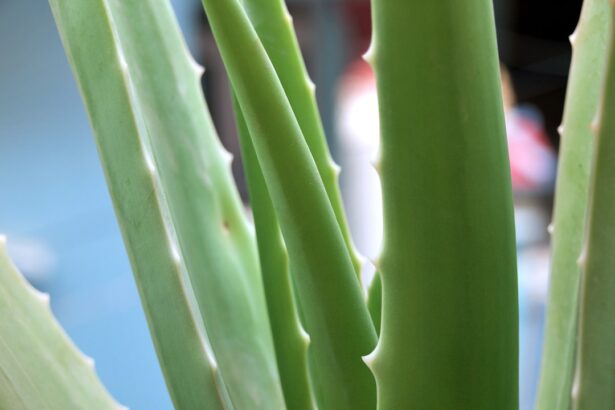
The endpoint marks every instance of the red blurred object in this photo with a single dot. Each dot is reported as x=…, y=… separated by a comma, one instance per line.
x=532, y=159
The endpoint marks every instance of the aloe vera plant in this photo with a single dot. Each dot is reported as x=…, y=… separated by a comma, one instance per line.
x=272, y=314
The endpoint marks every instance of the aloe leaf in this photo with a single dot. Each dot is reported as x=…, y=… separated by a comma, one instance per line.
x=374, y=301
x=336, y=317
x=290, y=340
x=449, y=336
x=215, y=241
x=595, y=370
x=589, y=53
x=273, y=24
x=40, y=368
x=189, y=369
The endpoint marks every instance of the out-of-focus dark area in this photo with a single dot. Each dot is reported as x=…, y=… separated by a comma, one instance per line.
x=57, y=214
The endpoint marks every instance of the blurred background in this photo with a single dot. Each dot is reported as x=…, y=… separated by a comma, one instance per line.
x=56, y=211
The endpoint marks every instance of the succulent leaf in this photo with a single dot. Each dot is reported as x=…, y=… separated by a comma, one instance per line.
x=569, y=214
x=161, y=155
x=289, y=338
x=273, y=25
x=449, y=337
x=595, y=369
x=331, y=300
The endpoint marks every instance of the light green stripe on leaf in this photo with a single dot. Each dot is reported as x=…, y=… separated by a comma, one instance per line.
x=374, y=301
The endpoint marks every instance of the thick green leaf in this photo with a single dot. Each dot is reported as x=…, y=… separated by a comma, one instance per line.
x=449, y=336
x=274, y=27
x=589, y=51
x=374, y=301
x=290, y=340
x=215, y=240
x=336, y=317
x=94, y=52
x=184, y=156
x=40, y=368
x=595, y=372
